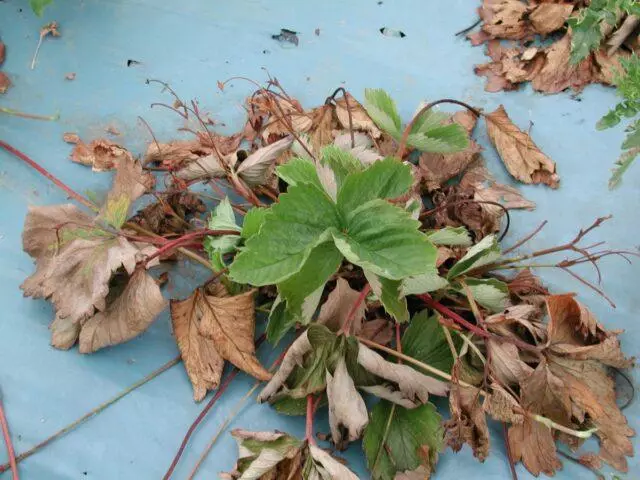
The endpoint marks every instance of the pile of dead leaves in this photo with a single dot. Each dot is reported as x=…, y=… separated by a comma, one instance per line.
x=550, y=65
x=378, y=251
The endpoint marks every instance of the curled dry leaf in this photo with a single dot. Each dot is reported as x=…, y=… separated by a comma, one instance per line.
x=202, y=167
x=258, y=167
x=126, y=317
x=201, y=360
x=523, y=159
x=532, y=443
x=100, y=154
x=175, y=154
x=413, y=384
x=5, y=82
x=323, y=123
x=294, y=356
x=348, y=414
x=468, y=423
x=575, y=333
x=359, y=117
x=516, y=320
x=337, y=307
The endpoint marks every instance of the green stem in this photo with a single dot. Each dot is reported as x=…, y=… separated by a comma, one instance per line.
x=32, y=116
x=93, y=412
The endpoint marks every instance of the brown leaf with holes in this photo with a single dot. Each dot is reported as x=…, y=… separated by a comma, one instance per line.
x=506, y=19
x=468, y=423
x=548, y=17
x=532, y=444
x=229, y=321
x=126, y=316
x=336, y=308
x=5, y=82
x=437, y=168
x=593, y=396
x=100, y=154
x=359, y=117
x=523, y=159
x=575, y=332
x=202, y=361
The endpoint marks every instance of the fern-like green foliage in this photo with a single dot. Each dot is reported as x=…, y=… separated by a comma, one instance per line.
x=587, y=35
x=428, y=133
x=323, y=219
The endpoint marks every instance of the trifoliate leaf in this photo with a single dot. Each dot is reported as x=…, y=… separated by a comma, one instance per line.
x=385, y=240
x=323, y=261
x=428, y=120
x=399, y=440
x=342, y=163
x=423, y=283
x=388, y=178
x=425, y=341
x=390, y=293
x=484, y=252
x=299, y=171
x=450, y=236
x=491, y=293
x=442, y=139
x=253, y=221
x=217, y=247
x=382, y=110
x=301, y=220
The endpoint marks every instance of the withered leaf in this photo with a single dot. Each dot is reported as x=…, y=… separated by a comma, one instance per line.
x=501, y=406
x=170, y=214
x=544, y=393
x=207, y=166
x=100, y=154
x=548, y=17
x=592, y=393
x=517, y=319
x=229, y=321
x=505, y=19
x=175, y=154
x=323, y=124
x=574, y=332
x=523, y=159
x=258, y=167
x=348, y=414
x=201, y=360
x=378, y=330
x=359, y=118
x=506, y=364
x=70, y=137
x=336, y=308
x=126, y=317
x=532, y=443
x=468, y=423
x=5, y=82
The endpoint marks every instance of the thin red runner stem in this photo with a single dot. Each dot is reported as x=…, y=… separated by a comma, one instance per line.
x=346, y=326
x=309, y=423
x=185, y=239
x=4, y=425
x=69, y=191
x=431, y=303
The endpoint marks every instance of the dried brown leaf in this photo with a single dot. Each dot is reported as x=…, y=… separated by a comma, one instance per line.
x=126, y=317
x=3, y=52
x=170, y=214
x=258, y=167
x=336, y=308
x=225, y=145
x=100, y=154
x=501, y=406
x=548, y=17
x=201, y=360
x=506, y=364
x=175, y=154
x=359, y=118
x=516, y=320
x=593, y=394
x=379, y=330
x=71, y=137
x=505, y=19
x=323, y=123
x=545, y=394
x=523, y=159
x=230, y=322
x=532, y=443
x=348, y=414
x=468, y=423
x=5, y=82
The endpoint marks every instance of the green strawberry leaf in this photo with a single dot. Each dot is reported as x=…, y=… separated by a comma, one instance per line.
x=450, y=236
x=299, y=171
x=253, y=221
x=442, y=139
x=491, y=293
x=484, y=252
x=383, y=111
x=390, y=293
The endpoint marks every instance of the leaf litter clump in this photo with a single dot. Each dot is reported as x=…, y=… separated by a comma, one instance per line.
x=374, y=246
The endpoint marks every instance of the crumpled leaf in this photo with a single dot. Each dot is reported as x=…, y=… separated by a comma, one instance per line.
x=523, y=159
x=548, y=17
x=126, y=317
x=505, y=19
x=348, y=414
x=468, y=423
x=100, y=154
x=327, y=467
x=207, y=166
x=532, y=443
x=592, y=393
x=575, y=332
x=338, y=305
x=515, y=320
x=359, y=117
x=176, y=154
x=201, y=359
x=259, y=166
x=413, y=384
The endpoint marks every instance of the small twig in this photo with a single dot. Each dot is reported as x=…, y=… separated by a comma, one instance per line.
x=469, y=28
x=590, y=285
x=146, y=124
x=346, y=326
x=429, y=106
x=524, y=240
x=512, y=465
x=32, y=116
x=308, y=431
x=93, y=412
x=346, y=102
x=4, y=426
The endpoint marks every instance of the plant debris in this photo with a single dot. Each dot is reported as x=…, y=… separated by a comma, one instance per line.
x=287, y=36
x=5, y=82
x=392, y=32
x=70, y=76
x=51, y=29
x=387, y=298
